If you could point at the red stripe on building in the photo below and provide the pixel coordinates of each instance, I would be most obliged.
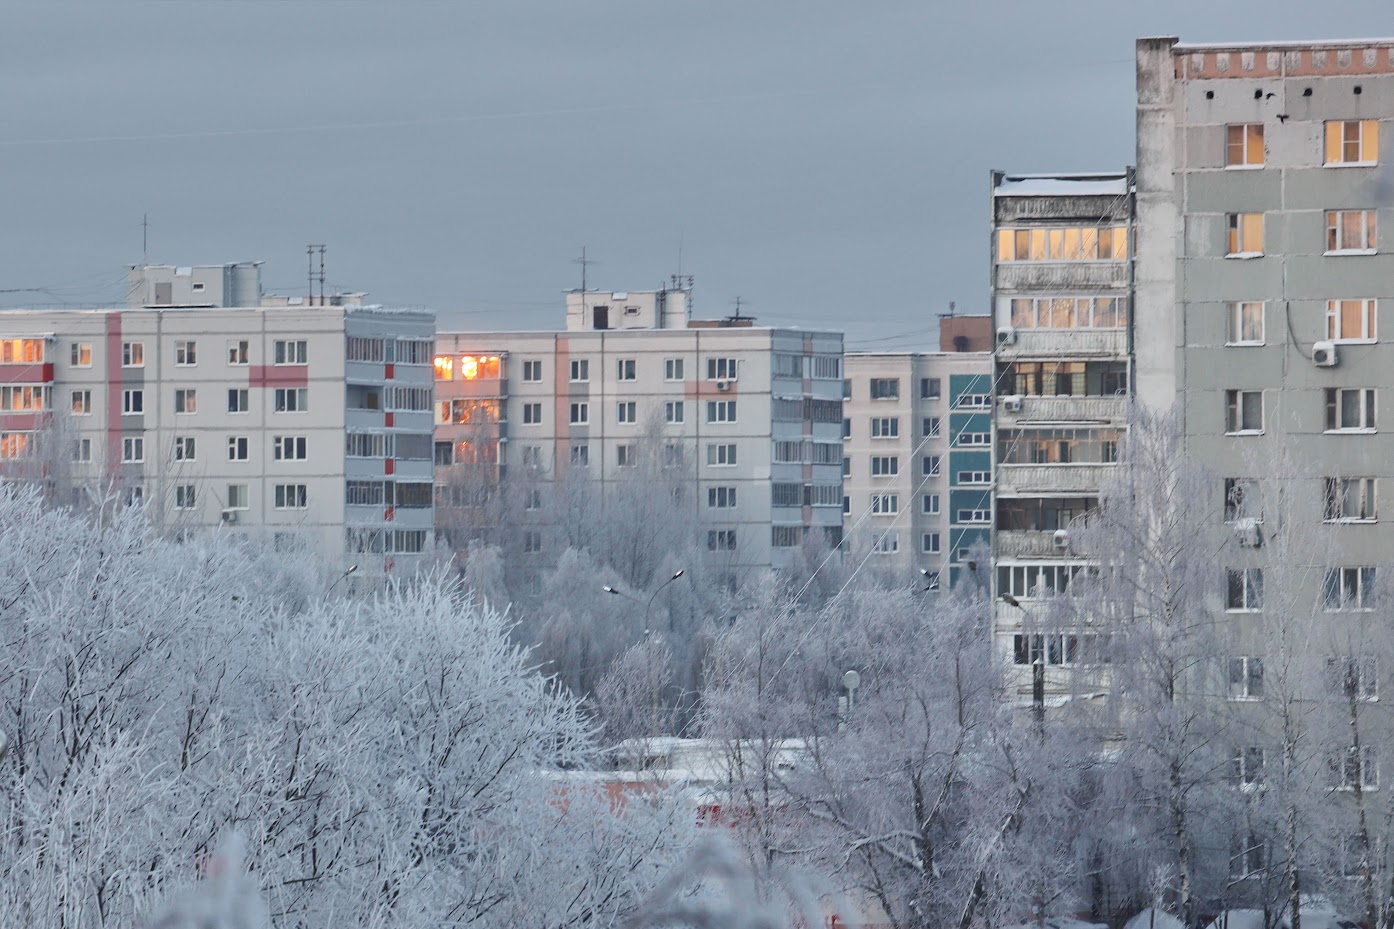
(26, 374)
(22, 422)
(278, 376)
(389, 372)
(388, 466)
(388, 420)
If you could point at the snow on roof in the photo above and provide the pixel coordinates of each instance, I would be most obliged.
(1062, 185)
(1289, 44)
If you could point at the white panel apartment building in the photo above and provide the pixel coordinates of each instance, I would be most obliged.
(747, 419)
(309, 423)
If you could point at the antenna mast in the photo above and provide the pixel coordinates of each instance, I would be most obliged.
(310, 272)
(145, 238)
(585, 263)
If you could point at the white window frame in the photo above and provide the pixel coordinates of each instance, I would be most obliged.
(243, 401)
(285, 395)
(673, 411)
(721, 454)
(133, 402)
(627, 412)
(884, 427)
(1236, 410)
(81, 404)
(1357, 672)
(295, 445)
(721, 498)
(580, 413)
(185, 497)
(290, 497)
(1366, 310)
(721, 412)
(1241, 229)
(132, 449)
(239, 448)
(185, 401)
(626, 369)
(930, 543)
(1363, 127)
(885, 465)
(239, 353)
(672, 369)
(580, 455)
(1250, 138)
(1365, 241)
(185, 448)
(238, 497)
(290, 352)
(1244, 678)
(1367, 410)
(580, 370)
(185, 353)
(1353, 580)
(885, 504)
(1338, 491)
(132, 354)
(1235, 323)
(80, 355)
(1250, 590)
(532, 371)
(929, 504)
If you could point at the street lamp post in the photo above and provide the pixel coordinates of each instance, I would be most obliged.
(648, 607)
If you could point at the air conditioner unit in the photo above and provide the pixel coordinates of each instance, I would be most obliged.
(1006, 336)
(1061, 539)
(1012, 404)
(230, 516)
(1324, 354)
(1248, 532)
(723, 385)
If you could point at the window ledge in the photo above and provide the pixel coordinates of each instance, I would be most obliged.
(1245, 344)
(1348, 609)
(1353, 341)
(1353, 521)
(1351, 164)
(1246, 609)
(1244, 256)
(1246, 432)
(1351, 251)
(1257, 167)
(1350, 431)
(1245, 699)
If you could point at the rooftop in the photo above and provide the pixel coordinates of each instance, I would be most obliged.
(1105, 184)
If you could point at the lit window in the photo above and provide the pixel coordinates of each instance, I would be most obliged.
(1350, 320)
(1352, 141)
(1351, 231)
(1244, 146)
(474, 367)
(445, 367)
(81, 355)
(132, 354)
(1063, 243)
(13, 444)
(186, 401)
(82, 402)
(1245, 235)
(1245, 323)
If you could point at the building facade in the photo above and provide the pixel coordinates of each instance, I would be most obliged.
(1062, 296)
(311, 424)
(730, 431)
(918, 457)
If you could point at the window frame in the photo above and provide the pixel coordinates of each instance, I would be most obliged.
(185, 353)
(1244, 145)
(1363, 586)
(1240, 231)
(1236, 412)
(1244, 678)
(1368, 410)
(1367, 316)
(1336, 228)
(132, 354)
(1248, 584)
(1366, 143)
(1234, 323)
(1338, 490)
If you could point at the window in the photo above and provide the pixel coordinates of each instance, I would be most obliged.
(1246, 678)
(1352, 677)
(80, 355)
(1244, 146)
(237, 400)
(1248, 857)
(237, 497)
(970, 516)
(1350, 320)
(408, 399)
(1352, 141)
(885, 388)
(133, 402)
(184, 497)
(1244, 589)
(786, 536)
(1063, 243)
(580, 370)
(291, 496)
(673, 455)
(973, 402)
(289, 448)
(846, 467)
(1349, 499)
(721, 411)
(721, 369)
(885, 504)
(361, 348)
(238, 352)
(292, 399)
(1349, 589)
(82, 451)
(445, 367)
(184, 448)
(292, 352)
(1350, 409)
(132, 354)
(532, 414)
(1069, 313)
(929, 543)
(721, 540)
(974, 477)
(1352, 766)
(672, 369)
(627, 412)
(672, 411)
(374, 445)
(532, 499)
(132, 449)
(186, 401)
(929, 388)
(1350, 231)
(24, 398)
(887, 543)
(968, 439)
(1243, 411)
(721, 454)
(885, 427)
(1059, 445)
(532, 371)
(721, 498)
(624, 369)
(884, 465)
(847, 429)
(930, 427)
(1245, 235)
(929, 504)
(625, 456)
(1245, 323)
(581, 456)
(1242, 500)
(237, 448)
(532, 456)
(185, 354)
(1034, 581)
(580, 413)
(1246, 767)
(532, 542)
(82, 403)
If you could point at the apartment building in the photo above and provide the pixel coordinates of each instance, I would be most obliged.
(542, 435)
(1062, 294)
(918, 456)
(311, 423)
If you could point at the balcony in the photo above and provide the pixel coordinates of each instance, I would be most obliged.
(1065, 343)
(1030, 480)
(1069, 410)
(1021, 543)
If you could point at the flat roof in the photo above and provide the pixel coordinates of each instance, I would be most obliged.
(1295, 43)
(1109, 184)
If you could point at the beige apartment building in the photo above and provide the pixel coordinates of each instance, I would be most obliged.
(214, 406)
(543, 436)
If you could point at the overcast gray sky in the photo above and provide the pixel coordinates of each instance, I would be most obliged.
(826, 161)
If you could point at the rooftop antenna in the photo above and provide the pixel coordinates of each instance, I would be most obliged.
(310, 270)
(953, 309)
(145, 238)
(736, 317)
(585, 263)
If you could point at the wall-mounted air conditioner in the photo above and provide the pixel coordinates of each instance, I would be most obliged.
(1061, 539)
(723, 385)
(1248, 532)
(1324, 354)
(1006, 336)
(230, 517)
(1012, 404)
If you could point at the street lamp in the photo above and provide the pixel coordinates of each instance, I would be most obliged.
(931, 579)
(1037, 669)
(352, 568)
(648, 607)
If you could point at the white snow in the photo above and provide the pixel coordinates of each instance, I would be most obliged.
(1063, 185)
(1153, 919)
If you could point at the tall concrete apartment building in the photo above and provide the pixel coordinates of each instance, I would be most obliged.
(918, 454)
(1062, 281)
(311, 423)
(740, 424)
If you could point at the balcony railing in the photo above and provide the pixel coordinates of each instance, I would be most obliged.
(1072, 343)
(1050, 479)
(1023, 543)
(1070, 409)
